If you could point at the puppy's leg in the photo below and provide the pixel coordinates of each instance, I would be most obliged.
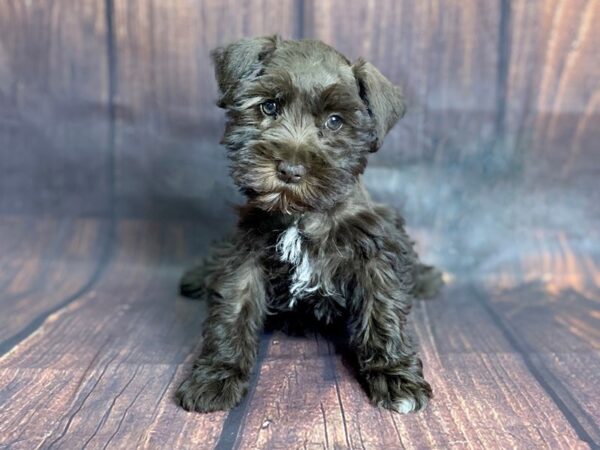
(220, 376)
(428, 281)
(387, 360)
(193, 282)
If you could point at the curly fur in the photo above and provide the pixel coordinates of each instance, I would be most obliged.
(320, 246)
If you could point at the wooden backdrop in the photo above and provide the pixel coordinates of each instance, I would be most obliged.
(111, 181)
(107, 107)
(104, 98)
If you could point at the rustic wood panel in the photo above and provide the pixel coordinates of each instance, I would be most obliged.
(553, 85)
(139, 286)
(167, 154)
(53, 107)
(49, 262)
(552, 316)
(475, 333)
(112, 404)
(101, 370)
(578, 375)
(511, 405)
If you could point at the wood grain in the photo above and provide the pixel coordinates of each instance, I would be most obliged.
(48, 262)
(281, 398)
(553, 84)
(102, 370)
(551, 318)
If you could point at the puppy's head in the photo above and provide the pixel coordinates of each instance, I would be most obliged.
(301, 120)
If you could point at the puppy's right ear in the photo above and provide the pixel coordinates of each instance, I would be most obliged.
(239, 61)
(384, 101)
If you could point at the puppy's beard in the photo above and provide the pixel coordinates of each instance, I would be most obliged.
(265, 191)
(254, 171)
(280, 200)
(258, 180)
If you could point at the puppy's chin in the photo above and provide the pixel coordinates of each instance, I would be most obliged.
(282, 201)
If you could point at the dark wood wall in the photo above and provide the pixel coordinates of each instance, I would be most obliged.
(107, 106)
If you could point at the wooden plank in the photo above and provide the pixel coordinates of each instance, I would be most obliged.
(526, 331)
(485, 395)
(141, 273)
(548, 303)
(14, 232)
(112, 405)
(546, 299)
(554, 318)
(518, 378)
(577, 373)
(482, 401)
(53, 107)
(557, 282)
(553, 84)
(103, 370)
(295, 405)
(168, 159)
(40, 273)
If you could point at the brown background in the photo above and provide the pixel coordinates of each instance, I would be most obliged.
(111, 181)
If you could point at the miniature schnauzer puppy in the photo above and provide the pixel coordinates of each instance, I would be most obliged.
(302, 120)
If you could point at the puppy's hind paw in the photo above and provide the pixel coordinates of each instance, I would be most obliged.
(192, 283)
(428, 282)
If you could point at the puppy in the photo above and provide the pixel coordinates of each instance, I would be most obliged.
(302, 121)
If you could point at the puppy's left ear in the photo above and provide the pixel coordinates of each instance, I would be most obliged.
(385, 102)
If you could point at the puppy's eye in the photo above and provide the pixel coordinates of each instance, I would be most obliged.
(269, 108)
(334, 122)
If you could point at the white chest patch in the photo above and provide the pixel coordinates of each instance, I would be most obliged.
(290, 249)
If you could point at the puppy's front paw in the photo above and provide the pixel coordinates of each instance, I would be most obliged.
(204, 392)
(401, 393)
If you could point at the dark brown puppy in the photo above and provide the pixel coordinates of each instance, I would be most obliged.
(302, 120)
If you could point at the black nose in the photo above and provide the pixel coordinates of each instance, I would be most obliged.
(290, 173)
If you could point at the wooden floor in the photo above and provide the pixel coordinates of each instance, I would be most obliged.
(93, 340)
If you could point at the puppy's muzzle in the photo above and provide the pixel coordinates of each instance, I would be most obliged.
(290, 173)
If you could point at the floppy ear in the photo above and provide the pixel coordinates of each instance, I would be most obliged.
(240, 60)
(385, 102)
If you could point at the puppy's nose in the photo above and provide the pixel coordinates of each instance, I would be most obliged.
(290, 173)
